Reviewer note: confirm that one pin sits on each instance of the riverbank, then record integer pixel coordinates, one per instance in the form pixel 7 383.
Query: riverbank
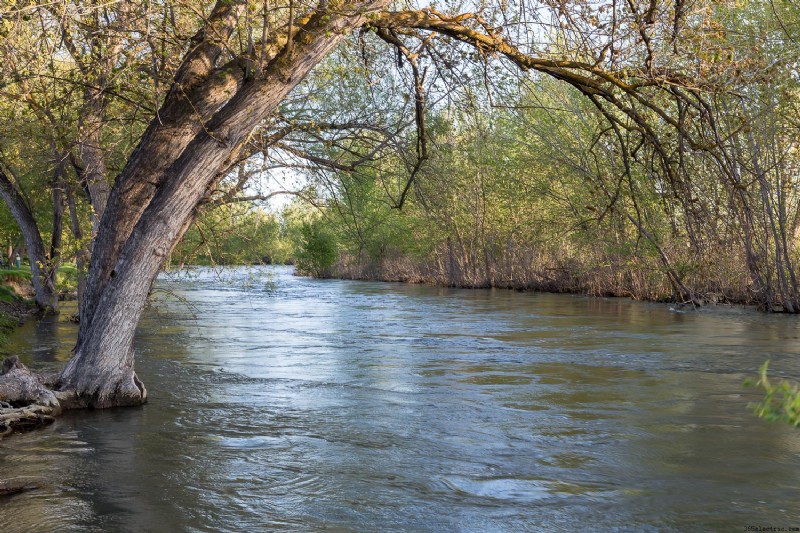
pixel 612 277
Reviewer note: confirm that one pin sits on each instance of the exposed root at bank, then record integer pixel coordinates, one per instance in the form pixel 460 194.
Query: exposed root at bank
pixel 18 419
pixel 29 401
pixel 25 402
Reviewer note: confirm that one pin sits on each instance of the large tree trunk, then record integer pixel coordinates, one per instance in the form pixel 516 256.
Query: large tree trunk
pixel 177 162
pixel 193 97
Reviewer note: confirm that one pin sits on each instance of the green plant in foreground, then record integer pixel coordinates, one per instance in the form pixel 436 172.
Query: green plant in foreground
pixel 781 402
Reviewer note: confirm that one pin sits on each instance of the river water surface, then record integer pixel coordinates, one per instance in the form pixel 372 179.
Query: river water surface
pixel 285 403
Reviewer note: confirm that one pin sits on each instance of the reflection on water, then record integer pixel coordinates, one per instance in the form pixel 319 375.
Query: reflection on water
pixel 293 404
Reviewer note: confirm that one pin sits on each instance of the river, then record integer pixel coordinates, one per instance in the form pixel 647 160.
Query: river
pixel 285 403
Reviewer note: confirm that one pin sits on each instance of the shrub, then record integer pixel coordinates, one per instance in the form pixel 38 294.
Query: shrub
pixel 317 249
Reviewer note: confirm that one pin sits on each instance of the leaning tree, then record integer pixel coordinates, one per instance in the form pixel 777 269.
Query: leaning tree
pixel 247 56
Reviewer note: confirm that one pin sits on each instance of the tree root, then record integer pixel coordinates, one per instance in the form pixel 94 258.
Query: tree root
pixel 18 419
pixel 29 401
pixel 25 403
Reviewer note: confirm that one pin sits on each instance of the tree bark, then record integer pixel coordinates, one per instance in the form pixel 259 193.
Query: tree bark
pixel 193 97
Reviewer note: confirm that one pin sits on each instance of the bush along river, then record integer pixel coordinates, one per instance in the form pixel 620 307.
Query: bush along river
pixel 286 403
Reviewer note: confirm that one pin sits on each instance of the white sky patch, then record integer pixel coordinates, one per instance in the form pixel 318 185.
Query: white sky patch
pixel 273 185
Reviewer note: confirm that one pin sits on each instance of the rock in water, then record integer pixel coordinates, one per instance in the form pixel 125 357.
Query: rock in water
pixel 9 489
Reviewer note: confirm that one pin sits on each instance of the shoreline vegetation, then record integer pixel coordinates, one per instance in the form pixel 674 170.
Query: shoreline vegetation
pixel 565 276
pixel 592 265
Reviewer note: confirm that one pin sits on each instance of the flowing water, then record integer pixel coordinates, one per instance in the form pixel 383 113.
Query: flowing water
pixel 285 403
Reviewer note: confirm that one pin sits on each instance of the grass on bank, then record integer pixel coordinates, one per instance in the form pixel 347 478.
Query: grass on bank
pixel 66 278
pixel 21 273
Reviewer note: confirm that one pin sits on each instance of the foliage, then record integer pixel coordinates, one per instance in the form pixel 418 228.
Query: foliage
pixel 680 195
pixel 316 248
pixel 781 401
pixel 663 168
pixel 67 278
pixel 233 234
